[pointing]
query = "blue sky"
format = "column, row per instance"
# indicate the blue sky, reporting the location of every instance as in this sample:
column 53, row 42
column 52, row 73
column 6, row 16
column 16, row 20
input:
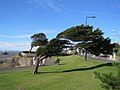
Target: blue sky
column 19, row 19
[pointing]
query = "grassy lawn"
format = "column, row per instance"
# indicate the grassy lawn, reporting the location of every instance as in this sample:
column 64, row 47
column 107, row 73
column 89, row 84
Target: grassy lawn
column 74, row 73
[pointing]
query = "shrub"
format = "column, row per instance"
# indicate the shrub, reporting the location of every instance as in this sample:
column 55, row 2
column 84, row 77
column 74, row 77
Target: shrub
column 1, row 62
column 109, row 81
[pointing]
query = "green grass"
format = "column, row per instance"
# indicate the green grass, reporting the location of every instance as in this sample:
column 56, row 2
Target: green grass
column 74, row 73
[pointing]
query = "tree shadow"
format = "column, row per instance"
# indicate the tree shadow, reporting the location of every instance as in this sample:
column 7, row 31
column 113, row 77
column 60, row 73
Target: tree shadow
column 89, row 68
column 80, row 69
column 50, row 72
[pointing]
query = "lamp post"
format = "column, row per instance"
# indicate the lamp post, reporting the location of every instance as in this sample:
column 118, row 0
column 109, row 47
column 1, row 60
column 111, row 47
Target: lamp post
column 113, row 35
column 85, row 42
column 113, row 43
column 89, row 17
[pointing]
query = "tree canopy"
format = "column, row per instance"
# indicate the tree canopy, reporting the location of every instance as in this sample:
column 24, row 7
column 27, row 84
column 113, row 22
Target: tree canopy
column 77, row 33
column 38, row 40
column 53, row 48
column 89, row 39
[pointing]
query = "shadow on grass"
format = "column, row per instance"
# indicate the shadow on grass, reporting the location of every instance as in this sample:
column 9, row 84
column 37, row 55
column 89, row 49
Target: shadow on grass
column 80, row 69
column 89, row 68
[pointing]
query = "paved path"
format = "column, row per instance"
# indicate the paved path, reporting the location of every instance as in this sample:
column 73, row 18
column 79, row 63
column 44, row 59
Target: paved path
column 104, row 59
column 14, row 69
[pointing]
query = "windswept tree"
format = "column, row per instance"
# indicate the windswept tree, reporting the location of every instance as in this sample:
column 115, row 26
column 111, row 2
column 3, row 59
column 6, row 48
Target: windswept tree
column 53, row 48
column 38, row 40
column 87, row 38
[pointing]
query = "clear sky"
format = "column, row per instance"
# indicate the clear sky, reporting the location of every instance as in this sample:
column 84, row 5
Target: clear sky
column 19, row 19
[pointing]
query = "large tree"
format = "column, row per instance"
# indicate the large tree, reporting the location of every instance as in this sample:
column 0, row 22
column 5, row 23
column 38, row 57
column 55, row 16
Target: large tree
column 41, row 40
column 87, row 38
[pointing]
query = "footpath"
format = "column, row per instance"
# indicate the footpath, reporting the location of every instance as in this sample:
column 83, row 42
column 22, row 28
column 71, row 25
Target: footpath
column 103, row 59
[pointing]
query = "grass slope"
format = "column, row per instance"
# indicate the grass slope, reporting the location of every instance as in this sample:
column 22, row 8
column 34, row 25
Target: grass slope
column 74, row 73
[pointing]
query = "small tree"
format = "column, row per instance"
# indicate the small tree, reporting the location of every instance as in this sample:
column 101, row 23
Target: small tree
column 52, row 48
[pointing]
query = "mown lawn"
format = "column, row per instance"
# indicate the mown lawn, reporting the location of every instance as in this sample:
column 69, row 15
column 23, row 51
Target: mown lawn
column 74, row 73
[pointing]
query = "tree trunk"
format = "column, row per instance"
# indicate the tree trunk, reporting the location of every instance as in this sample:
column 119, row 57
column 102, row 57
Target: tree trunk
column 35, row 71
column 86, row 54
column 38, row 60
column 31, row 49
column 57, row 57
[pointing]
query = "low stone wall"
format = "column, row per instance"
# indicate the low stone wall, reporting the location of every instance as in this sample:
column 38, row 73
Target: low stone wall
column 25, row 61
column 15, row 62
column 21, row 61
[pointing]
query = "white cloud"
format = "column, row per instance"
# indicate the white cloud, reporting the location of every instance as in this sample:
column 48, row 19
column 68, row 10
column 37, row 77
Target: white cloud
column 100, row 13
column 56, row 5
column 14, row 46
column 21, row 46
column 51, row 4
column 16, row 36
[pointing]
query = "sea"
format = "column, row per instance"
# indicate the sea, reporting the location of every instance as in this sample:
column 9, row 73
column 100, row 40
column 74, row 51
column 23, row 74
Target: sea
column 10, row 54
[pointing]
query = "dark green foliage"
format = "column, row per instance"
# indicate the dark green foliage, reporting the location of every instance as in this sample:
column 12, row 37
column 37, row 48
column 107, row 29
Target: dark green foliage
column 54, row 47
column 39, row 39
column 118, row 53
column 89, row 39
column 77, row 33
column 101, row 45
column 40, row 51
column 117, row 49
column 46, row 49
column 109, row 81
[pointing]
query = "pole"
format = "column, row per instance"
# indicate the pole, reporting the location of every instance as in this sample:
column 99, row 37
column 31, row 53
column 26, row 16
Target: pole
column 113, row 43
column 86, row 21
column 89, row 17
column 85, row 41
column 113, row 35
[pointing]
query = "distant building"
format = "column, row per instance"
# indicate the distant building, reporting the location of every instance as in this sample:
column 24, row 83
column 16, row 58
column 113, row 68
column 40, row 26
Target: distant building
column 118, row 43
column 27, row 54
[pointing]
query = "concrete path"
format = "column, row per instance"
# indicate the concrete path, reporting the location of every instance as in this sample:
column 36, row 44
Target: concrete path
column 104, row 59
